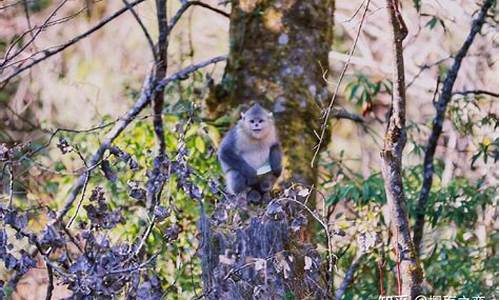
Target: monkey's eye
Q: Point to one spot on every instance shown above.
(252, 121)
(260, 121)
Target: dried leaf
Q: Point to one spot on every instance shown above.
(304, 192)
(307, 263)
(223, 259)
(108, 171)
(260, 264)
(283, 265)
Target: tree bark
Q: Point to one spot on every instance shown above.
(349, 276)
(160, 72)
(395, 138)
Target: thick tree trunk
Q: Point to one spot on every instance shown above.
(277, 51)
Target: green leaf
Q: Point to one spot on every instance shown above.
(354, 89)
(417, 4)
(199, 144)
(432, 22)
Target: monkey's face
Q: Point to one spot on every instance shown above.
(257, 126)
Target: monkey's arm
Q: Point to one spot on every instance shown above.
(229, 156)
(275, 159)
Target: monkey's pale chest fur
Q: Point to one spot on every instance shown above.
(255, 152)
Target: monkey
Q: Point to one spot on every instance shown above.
(250, 155)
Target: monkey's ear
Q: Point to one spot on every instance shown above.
(242, 115)
(270, 114)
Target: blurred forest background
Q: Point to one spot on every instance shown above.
(118, 240)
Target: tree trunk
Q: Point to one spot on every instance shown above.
(277, 51)
(409, 274)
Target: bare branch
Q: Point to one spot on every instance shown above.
(27, 14)
(426, 67)
(143, 28)
(344, 114)
(42, 27)
(11, 4)
(33, 35)
(85, 183)
(50, 283)
(188, 4)
(160, 72)
(349, 275)
(216, 10)
(56, 50)
(437, 125)
(477, 92)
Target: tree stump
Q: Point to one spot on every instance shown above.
(254, 252)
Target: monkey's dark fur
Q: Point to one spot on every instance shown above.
(248, 146)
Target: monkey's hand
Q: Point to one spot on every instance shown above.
(276, 171)
(251, 176)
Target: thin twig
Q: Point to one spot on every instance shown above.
(11, 184)
(425, 67)
(358, 9)
(323, 224)
(33, 36)
(134, 268)
(85, 184)
(476, 92)
(27, 15)
(44, 26)
(87, 172)
(342, 113)
(144, 237)
(20, 117)
(214, 9)
(50, 284)
(13, 4)
(51, 52)
(143, 28)
(188, 4)
(337, 87)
